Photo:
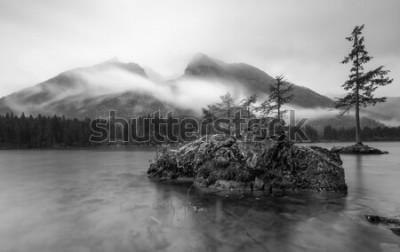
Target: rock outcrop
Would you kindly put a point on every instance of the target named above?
(358, 149)
(227, 163)
(393, 224)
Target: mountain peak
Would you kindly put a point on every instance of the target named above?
(203, 59)
(115, 63)
(202, 64)
(200, 57)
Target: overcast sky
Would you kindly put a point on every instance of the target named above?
(303, 40)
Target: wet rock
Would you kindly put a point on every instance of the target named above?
(375, 219)
(394, 224)
(332, 155)
(227, 163)
(358, 149)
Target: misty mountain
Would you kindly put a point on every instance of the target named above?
(254, 80)
(387, 112)
(89, 92)
(132, 90)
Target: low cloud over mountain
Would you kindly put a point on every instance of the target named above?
(126, 87)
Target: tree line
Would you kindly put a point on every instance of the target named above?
(367, 134)
(42, 131)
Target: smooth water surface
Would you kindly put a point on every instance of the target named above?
(101, 200)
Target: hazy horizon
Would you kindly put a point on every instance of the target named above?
(304, 40)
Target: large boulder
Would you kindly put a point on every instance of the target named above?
(227, 163)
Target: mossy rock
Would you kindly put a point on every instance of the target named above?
(227, 163)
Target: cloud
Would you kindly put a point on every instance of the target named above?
(303, 40)
(186, 93)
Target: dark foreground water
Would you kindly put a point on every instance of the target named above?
(96, 200)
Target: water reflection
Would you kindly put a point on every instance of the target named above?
(242, 221)
(359, 181)
(102, 201)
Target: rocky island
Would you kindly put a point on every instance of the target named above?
(358, 148)
(228, 163)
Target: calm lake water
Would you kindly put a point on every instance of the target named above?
(101, 200)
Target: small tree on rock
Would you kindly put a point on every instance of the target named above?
(280, 94)
(361, 85)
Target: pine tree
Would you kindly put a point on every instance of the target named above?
(280, 94)
(227, 103)
(361, 85)
(264, 109)
(207, 113)
(247, 104)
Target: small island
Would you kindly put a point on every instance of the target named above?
(358, 148)
(228, 163)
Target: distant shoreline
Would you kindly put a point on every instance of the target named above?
(155, 147)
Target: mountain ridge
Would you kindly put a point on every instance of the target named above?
(255, 80)
(76, 93)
